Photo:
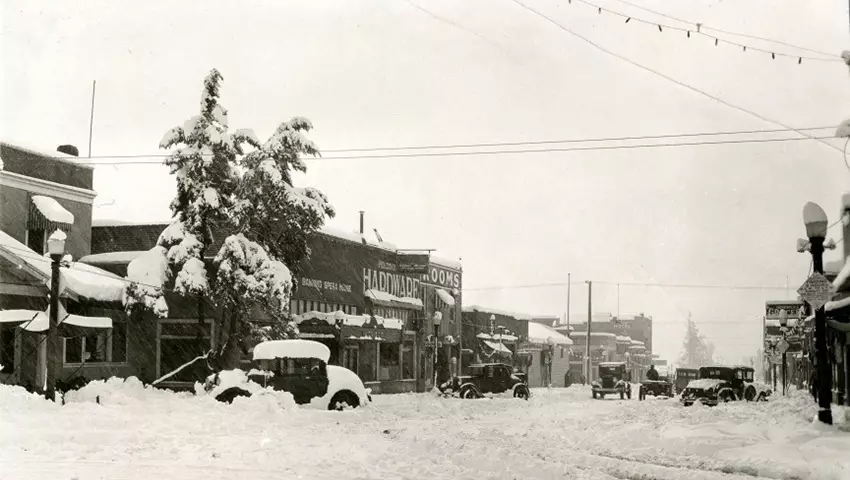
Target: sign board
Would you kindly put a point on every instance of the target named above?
(793, 308)
(782, 346)
(413, 263)
(816, 290)
(775, 358)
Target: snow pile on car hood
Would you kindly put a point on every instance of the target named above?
(704, 383)
(266, 397)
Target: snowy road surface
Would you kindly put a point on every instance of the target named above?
(559, 433)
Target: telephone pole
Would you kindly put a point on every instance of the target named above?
(587, 338)
(568, 303)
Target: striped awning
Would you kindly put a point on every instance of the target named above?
(47, 214)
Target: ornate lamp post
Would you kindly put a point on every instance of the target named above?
(56, 249)
(816, 225)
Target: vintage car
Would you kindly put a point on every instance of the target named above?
(657, 388)
(295, 366)
(683, 377)
(487, 378)
(614, 377)
(718, 384)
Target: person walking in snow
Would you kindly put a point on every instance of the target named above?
(652, 373)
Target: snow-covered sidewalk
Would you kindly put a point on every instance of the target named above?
(560, 433)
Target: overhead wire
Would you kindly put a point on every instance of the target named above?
(661, 75)
(502, 152)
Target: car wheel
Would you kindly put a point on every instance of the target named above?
(342, 399)
(750, 394)
(467, 391)
(602, 396)
(594, 395)
(726, 396)
(230, 394)
(521, 391)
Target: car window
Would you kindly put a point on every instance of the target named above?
(488, 371)
(301, 366)
(739, 375)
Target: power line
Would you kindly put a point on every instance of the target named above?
(728, 32)
(504, 152)
(630, 284)
(662, 75)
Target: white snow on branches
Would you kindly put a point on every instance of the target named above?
(251, 274)
(192, 278)
(308, 198)
(211, 197)
(171, 137)
(148, 273)
(246, 135)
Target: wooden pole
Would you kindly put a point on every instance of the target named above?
(91, 115)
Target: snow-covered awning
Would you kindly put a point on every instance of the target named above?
(843, 275)
(48, 211)
(496, 337)
(497, 347)
(78, 280)
(38, 321)
(390, 300)
(836, 304)
(544, 334)
(351, 320)
(445, 297)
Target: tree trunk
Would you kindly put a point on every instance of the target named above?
(230, 352)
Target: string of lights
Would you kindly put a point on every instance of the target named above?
(698, 31)
(662, 75)
(728, 32)
(704, 27)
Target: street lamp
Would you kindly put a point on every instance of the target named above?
(438, 317)
(56, 249)
(816, 225)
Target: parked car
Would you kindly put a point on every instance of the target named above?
(614, 377)
(656, 388)
(487, 378)
(718, 384)
(295, 366)
(683, 377)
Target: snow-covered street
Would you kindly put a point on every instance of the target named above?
(559, 433)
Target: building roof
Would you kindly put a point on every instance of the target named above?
(493, 311)
(540, 333)
(52, 166)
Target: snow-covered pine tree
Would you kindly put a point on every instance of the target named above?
(221, 188)
(696, 350)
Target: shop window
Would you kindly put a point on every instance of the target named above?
(368, 361)
(36, 241)
(407, 357)
(7, 350)
(351, 358)
(389, 365)
(106, 346)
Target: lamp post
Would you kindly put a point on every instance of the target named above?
(816, 225)
(56, 249)
(438, 317)
(783, 324)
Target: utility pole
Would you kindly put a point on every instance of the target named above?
(587, 338)
(569, 285)
(91, 116)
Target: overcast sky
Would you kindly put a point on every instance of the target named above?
(386, 73)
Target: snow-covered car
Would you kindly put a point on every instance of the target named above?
(298, 367)
(613, 378)
(718, 384)
(493, 378)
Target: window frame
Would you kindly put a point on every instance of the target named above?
(109, 345)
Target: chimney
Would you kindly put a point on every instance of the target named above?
(845, 223)
(68, 150)
(361, 221)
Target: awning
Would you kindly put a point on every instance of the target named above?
(47, 213)
(389, 300)
(498, 347)
(445, 297)
(546, 335)
(496, 337)
(77, 280)
(38, 322)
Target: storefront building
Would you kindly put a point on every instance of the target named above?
(491, 336)
(550, 355)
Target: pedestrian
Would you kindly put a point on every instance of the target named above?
(652, 373)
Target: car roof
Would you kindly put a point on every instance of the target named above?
(611, 364)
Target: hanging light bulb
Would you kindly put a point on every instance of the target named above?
(716, 41)
(773, 55)
(689, 34)
(745, 48)
(659, 28)
(799, 60)
(600, 10)
(627, 20)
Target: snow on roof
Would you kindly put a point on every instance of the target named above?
(52, 154)
(42, 322)
(497, 346)
(772, 322)
(109, 222)
(611, 364)
(52, 210)
(81, 279)
(493, 311)
(836, 304)
(623, 338)
(540, 333)
(637, 342)
(350, 320)
(113, 257)
(594, 334)
(291, 349)
(150, 268)
(444, 262)
(356, 237)
(388, 297)
(496, 337)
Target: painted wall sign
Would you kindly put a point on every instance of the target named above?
(325, 285)
(442, 276)
(390, 282)
(794, 309)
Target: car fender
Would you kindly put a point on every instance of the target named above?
(341, 378)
